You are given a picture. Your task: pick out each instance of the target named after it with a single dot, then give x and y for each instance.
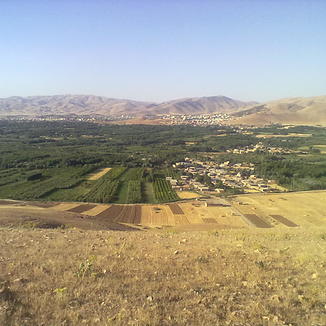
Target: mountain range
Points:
(90, 104)
(300, 110)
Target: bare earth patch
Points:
(98, 174)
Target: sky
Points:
(157, 50)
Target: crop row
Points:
(163, 191)
(114, 173)
(102, 192)
(58, 179)
(134, 194)
(104, 189)
(133, 174)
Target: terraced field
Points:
(290, 210)
(294, 209)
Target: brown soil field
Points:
(82, 208)
(112, 213)
(284, 220)
(257, 221)
(37, 217)
(98, 174)
(130, 214)
(176, 209)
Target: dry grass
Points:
(187, 194)
(303, 208)
(98, 174)
(65, 206)
(76, 277)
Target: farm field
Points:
(108, 185)
(163, 191)
(321, 148)
(286, 210)
(292, 134)
(187, 194)
(301, 208)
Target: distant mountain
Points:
(200, 105)
(89, 104)
(300, 110)
(68, 104)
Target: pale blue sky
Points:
(158, 50)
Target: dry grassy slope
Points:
(231, 277)
(286, 111)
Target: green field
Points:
(163, 191)
(119, 185)
(43, 160)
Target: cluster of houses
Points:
(68, 117)
(195, 119)
(221, 176)
(260, 147)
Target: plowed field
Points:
(81, 208)
(176, 209)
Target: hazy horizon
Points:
(160, 51)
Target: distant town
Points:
(196, 119)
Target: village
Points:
(260, 147)
(195, 119)
(210, 177)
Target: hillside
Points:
(68, 104)
(311, 110)
(89, 104)
(200, 105)
(77, 277)
(298, 110)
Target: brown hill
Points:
(68, 104)
(298, 110)
(88, 105)
(200, 105)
